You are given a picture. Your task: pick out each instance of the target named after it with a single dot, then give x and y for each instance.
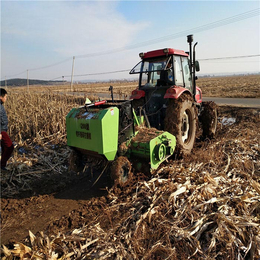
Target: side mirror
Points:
(197, 66)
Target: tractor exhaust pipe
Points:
(192, 64)
(190, 40)
(194, 71)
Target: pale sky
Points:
(107, 36)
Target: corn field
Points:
(39, 117)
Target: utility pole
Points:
(72, 73)
(5, 83)
(28, 80)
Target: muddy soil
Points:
(41, 209)
(60, 204)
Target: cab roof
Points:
(163, 52)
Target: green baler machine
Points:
(110, 130)
(94, 130)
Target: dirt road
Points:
(240, 102)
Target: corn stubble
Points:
(204, 206)
(37, 125)
(39, 117)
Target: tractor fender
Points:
(137, 94)
(175, 92)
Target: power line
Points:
(119, 71)
(51, 65)
(247, 61)
(125, 70)
(234, 57)
(205, 27)
(44, 67)
(99, 73)
(209, 26)
(60, 77)
(14, 75)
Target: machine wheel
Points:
(137, 103)
(180, 120)
(209, 119)
(75, 161)
(121, 171)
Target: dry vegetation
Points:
(121, 89)
(39, 117)
(234, 87)
(205, 206)
(37, 125)
(230, 86)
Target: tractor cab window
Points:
(178, 71)
(150, 70)
(186, 72)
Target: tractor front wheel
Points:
(180, 120)
(121, 171)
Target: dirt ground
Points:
(60, 202)
(48, 201)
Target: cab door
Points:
(182, 72)
(186, 73)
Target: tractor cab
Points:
(163, 68)
(163, 74)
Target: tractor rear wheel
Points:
(121, 171)
(209, 119)
(180, 120)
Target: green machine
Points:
(111, 130)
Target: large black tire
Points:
(121, 171)
(181, 121)
(209, 119)
(75, 161)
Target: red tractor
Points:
(168, 97)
